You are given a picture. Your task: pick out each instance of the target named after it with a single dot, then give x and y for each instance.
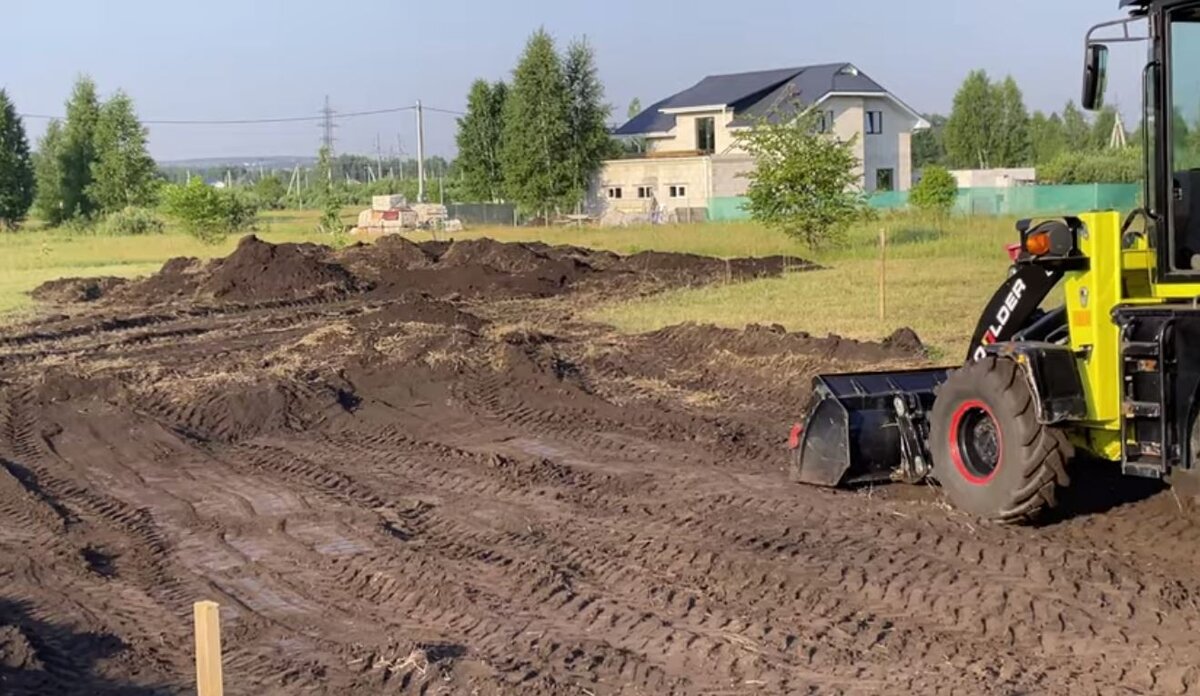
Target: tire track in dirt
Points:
(527, 504)
(606, 570)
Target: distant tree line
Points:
(537, 141)
(989, 126)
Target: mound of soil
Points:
(373, 262)
(599, 259)
(905, 339)
(70, 290)
(419, 309)
(176, 280)
(393, 268)
(510, 258)
(693, 265)
(258, 271)
(470, 281)
(772, 340)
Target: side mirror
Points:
(1095, 76)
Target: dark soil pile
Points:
(259, 271)
(176, 280)
(374, 262)
(255, 272)
(757, 340)
(422, 310)
(905, 339)
(707, 267)
(472, 281)
(69, 290)
(599, 259)
(510, 258)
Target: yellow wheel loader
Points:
(1114, 372)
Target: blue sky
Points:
(221, 59)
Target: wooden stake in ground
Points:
(208, 649)
(882, 274)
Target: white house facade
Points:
(692, 153)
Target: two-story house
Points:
(691, 152)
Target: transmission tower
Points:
(327, 126)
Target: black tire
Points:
(990, 454)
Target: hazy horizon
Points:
(228, 60)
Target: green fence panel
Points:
(1047, 200)
(1009, 201)
(889, 200)
(727, 209)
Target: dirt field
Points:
(412, 469)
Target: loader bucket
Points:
(865, 428)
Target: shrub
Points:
(1103, 167)
(208, 214)
(935, 192)
(132, 221)
(270, 191)
(804, 183)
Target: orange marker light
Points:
(1038, 244)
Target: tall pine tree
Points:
(587, 118)
(970, 131)
(1047, 137)
(636, 144)
(928, 144)
(537, 172)
(1012, 148)
(481, 142)
(122, 172)
(1102, 128)
(48, 171)
(16, 167)
(1076, 130)
(79, 149)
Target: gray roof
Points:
(754, 94)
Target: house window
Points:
(614, 192)
(874, 122)
(825, 122)
(645, 192)
(706, 135)
(677, 191)
(885, 179)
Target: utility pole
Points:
(400, 154)
(420, 153)
(378, 156)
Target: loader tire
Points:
(990, 454)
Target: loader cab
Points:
(1170, 123)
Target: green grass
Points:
(939, 274)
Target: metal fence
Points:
(481, 214)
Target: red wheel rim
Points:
(976, 443)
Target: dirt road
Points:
(414, 470)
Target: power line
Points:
(243, 121)
(444, 111)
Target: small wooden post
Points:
(208, 649)
(882, 274)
